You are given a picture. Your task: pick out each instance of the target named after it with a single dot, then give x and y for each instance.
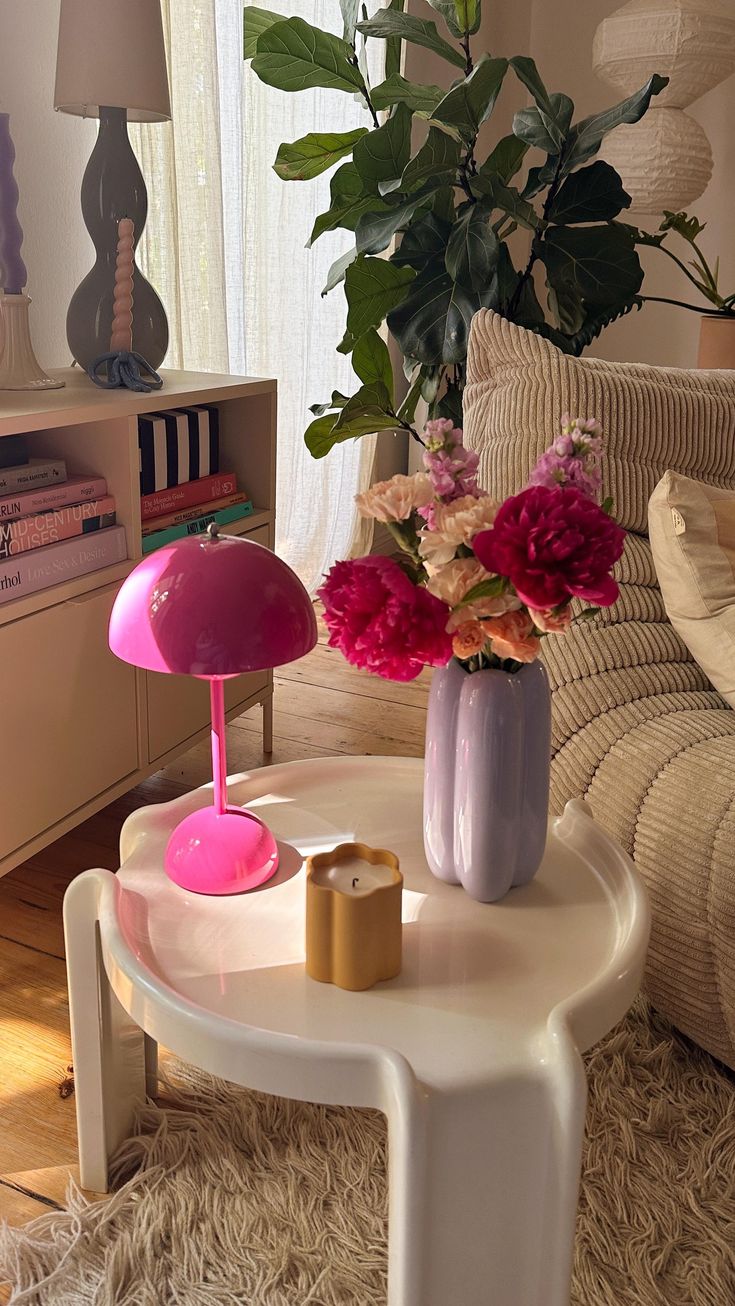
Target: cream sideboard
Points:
(80, 727)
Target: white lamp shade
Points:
(665, 160)
(112, 53)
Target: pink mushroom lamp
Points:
(214, 607)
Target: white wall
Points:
(558, 34)
(51, 153)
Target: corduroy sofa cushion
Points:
(637, 727)
(692, 531)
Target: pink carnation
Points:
(553, 544)
(381, 621)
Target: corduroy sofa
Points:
(637, 728)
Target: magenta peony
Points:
(553, 544)
(381, 621)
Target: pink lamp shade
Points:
(214, 606)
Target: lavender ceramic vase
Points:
(486, 777)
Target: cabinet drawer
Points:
(178, 706)
(69, 715)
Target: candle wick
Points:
(355, 881)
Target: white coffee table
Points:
(473, 1052)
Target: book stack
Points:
(53, 527)
(182, 490)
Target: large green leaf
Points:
(373, 286)
(424, 242)
(472, 249)
(449, 14)
(505, 160)
(313, 154)
(565, 304)
(419, 31)
(367, 411)
(468, 14)
(506, 198)
(396, 90)
(365, 418)
(471, 101)
(382, 154)
(376, 230)
(600, 262)
(586, 136)
(349, 201)
(371, 360)
(293, 56)
(255, 22)
(438, 156)
(547, 129)
(349, 9)
(592, 194)
(432, 324)
(338, 269)
(526, 71)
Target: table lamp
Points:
(111, 65)
(214, 607)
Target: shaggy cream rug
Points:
(232, 1198)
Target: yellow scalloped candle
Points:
(353, 916)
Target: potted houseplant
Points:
(447, 212)
(717, 326)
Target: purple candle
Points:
(13, 275)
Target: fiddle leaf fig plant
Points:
(427, 221)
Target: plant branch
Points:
(683, 267)
(468, 64)
(695, 308)
(537, 240)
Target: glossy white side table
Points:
(472, 1052)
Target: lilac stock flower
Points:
(452, 469)
(573, 460)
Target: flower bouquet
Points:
(479, 585)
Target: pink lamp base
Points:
(221, 852)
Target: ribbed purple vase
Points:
(486, 777)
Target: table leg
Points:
(107, 1046)
(483, 1193)
(268, 724)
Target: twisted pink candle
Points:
(122, 309)
(13, 275)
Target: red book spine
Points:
(187, 495)
(27, 533)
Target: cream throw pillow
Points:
(692, 532)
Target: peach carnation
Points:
(511, 636)
(396, 499)
(454, 524)
(451, 582)
(468, 639)
(552, 621)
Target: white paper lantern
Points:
(665, 160)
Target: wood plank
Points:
(401, 721)
(39, 1126)
(343, 739)
(327, 667)
(18, 1207)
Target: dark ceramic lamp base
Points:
(113, 188)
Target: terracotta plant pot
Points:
(717, 342)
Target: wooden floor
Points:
(322, 707)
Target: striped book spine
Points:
(176, 446)
(41, 568)
(46, 528)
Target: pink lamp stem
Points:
(219, 754)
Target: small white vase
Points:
(19, 367)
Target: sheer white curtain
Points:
(225, 246)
